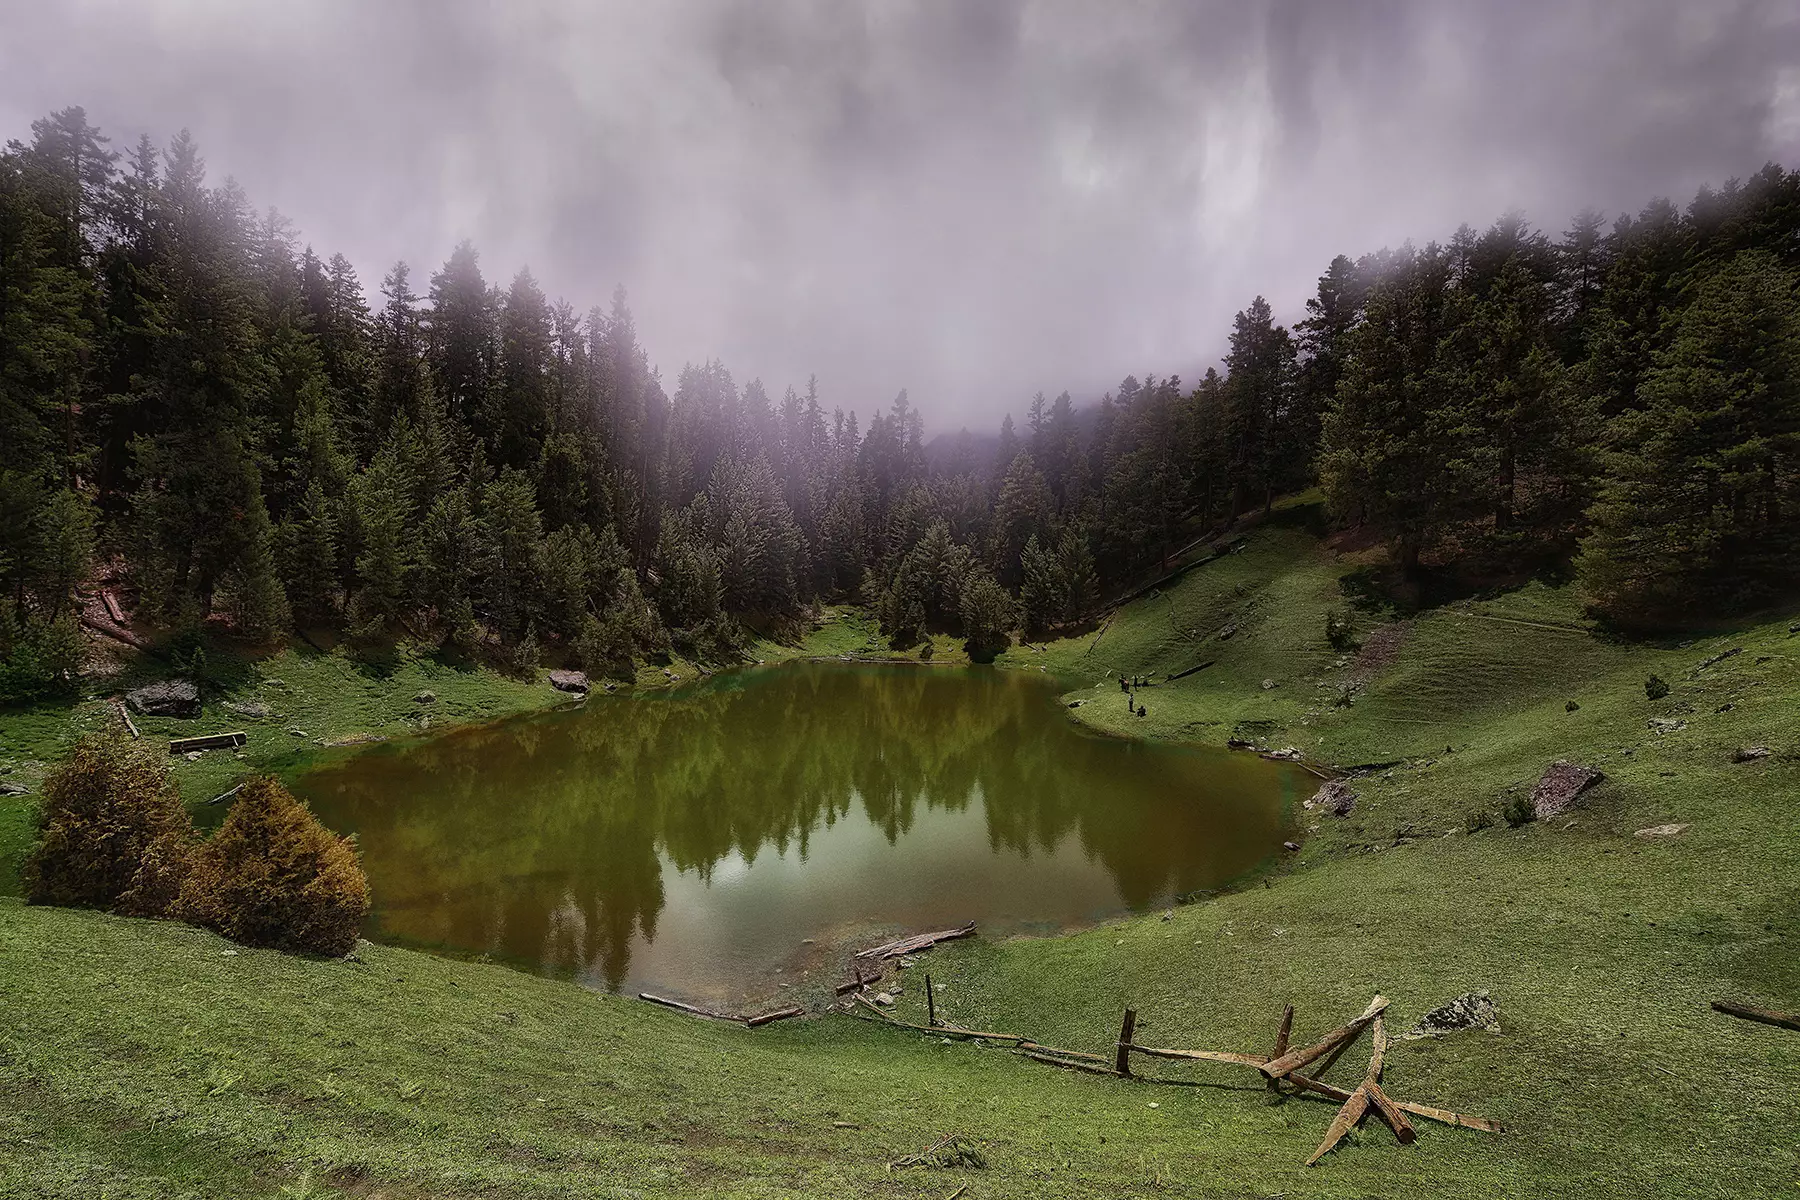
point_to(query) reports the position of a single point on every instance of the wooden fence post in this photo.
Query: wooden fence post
(1127, 1028)
(930, 1003)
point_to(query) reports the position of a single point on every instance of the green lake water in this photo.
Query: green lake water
(691, 842)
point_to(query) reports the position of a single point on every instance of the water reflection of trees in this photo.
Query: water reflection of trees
(539, 839)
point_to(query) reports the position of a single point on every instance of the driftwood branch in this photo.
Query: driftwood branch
(780, 1014)
(920, 941)
(1763, 1016)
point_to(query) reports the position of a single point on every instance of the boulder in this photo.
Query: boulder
(249, 708)
(1751, 754)
(14, 789)
(1335, 796)
(171, 698)
(1561, 783)
(1667, 724)
(425, 698)
(1471, 1010)
(569, 681)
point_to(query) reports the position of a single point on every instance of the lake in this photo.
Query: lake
(692, 842)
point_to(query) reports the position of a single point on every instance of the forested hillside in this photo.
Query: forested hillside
(206, 407)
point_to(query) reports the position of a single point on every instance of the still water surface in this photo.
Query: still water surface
(688, 842)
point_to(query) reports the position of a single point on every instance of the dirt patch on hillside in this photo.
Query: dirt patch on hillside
(1381, 646)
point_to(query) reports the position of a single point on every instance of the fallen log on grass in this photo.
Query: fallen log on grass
(208, 741)
(780, 1014)
(1069, 1063)
(692, 1009)
(919, 941)
(1763, 1016)
(126, 714)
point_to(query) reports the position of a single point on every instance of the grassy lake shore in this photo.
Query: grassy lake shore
(150, 1059)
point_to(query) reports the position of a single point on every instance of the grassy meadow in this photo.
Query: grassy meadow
(150, 1059)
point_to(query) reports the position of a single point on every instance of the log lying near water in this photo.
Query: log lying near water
(681, 1006)
(921, 941)
(780, 1014)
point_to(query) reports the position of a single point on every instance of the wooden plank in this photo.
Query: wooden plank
(780, 1014)
(1217, 1056)
(1126, 1029)
(1763, 1016)
(1390, 1112)
(1378, 1055)
(1346, 1119)
(208, 741)
(126, 713)
(1295, 1059)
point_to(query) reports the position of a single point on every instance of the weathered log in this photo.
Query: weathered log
(1217, 1056)
(1378, 1053)
(920, 941)
(930, 1002)
(227, 794)
(1281, 1035)
(696, 1010)
(1390, 1113)
(125, 713)
(1764, 1016)
(1346, 1119)
(112, 606)
(859, 984)
(780, 1014)
(1126, 1028)
(1461, 1120)
(1295, 1059)
(208, 741)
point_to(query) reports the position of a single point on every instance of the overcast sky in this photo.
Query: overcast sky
(971, 199)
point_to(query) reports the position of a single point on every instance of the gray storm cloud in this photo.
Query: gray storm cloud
(970, 200)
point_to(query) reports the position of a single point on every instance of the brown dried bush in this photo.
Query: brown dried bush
(113, 833)
(274, 876)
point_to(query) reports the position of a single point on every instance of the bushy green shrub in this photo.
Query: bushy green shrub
(113, 833)
(1519, 811)
(1655, 687)
(1340, 630)
(274, 876)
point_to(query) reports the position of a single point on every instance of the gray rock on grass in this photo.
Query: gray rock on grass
(1559, 786)
(170, 698)
(1471, 1010)
(569, 681)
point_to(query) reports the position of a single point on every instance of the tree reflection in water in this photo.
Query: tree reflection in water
(766, 806)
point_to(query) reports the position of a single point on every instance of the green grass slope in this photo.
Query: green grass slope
(149, 1059)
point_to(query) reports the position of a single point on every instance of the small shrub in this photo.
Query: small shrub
(1655, 687)
(926, 652)
(274, 876)
(1519, 811)
(1571, 706)
(1340, 630)
(113, 833)
(1479, 820)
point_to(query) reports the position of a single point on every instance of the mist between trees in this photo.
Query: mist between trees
(212, 408)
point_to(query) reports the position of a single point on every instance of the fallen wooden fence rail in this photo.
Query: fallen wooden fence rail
(1763, 1016)
(683, 1006)
(918, 941)
(126, 714)
(208, 741)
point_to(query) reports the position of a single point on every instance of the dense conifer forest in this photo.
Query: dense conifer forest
(198, 403)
